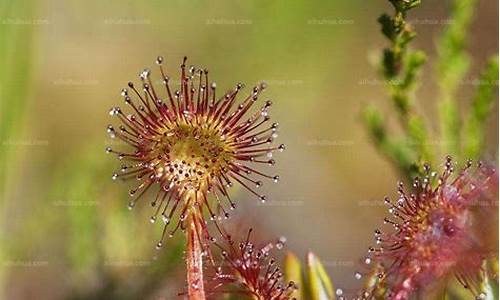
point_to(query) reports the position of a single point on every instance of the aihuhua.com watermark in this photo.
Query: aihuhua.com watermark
(27, 142)
(329, 143)
(73, 203)
(21, 21)
(24, 263)
(430, 21)
(371, 203)
(127, 263)
(337, 263)
(224, 21)
(283, 82)
(429, 143)
(485, 203)
(75, 81)
(478, 82)
(113, 141)
(127, 21)
(284, 203)
(377, 82)
(333, 21)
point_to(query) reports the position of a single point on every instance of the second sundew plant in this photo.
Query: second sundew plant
(441, 228)
(188, 146)
(446, 225)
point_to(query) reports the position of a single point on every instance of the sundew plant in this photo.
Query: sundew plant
(249, 150)
(192, 146)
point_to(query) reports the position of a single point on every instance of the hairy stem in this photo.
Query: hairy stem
(194, 264)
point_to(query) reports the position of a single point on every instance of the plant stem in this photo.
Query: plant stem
(194, 264)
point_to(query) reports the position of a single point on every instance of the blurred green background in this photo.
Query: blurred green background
(65, 232)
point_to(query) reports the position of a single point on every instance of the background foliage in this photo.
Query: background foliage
(65, 232)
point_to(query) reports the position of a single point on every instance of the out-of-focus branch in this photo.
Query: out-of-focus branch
(400, 67)
(452, 65)
(481, 107)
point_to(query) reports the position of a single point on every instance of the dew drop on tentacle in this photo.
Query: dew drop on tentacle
(111, 131)
(165, 219)
(159, 245)
(281, 243)
(114, 111)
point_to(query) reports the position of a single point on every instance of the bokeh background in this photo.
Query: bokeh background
(65, 232)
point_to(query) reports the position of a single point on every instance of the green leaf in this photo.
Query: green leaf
(418, 138)
(414, 62)
(490, 289)
(483, 98)
(293, 272)
(320, 285)
(390, 64)
(450, 127)
(406, 36)
(374, 121)
(490, 280)
(387, 26)
(400, 152)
